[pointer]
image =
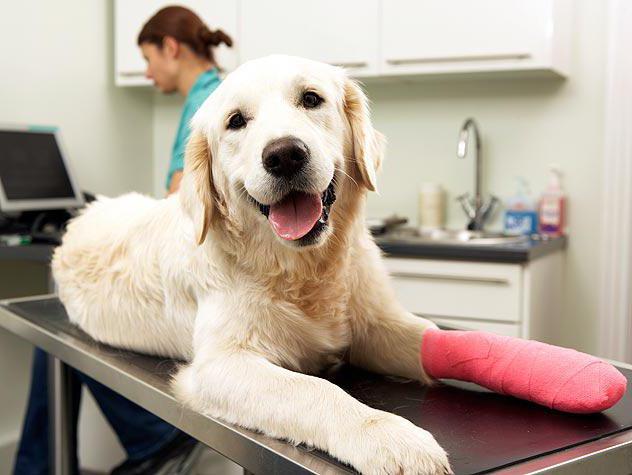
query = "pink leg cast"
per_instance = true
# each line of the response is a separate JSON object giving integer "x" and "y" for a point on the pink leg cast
{"x": 558, "y": 378}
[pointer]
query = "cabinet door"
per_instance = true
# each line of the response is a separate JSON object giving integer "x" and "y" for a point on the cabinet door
{"x": 500, "y": 328}
{"x": 130, "y": 16}
{"x": 461, "y": 35}
{"x": 342, "y": 33}
{"x": 461, "y": 290}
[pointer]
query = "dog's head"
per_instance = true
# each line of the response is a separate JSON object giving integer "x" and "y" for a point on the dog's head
{"x": 275, "y": 145}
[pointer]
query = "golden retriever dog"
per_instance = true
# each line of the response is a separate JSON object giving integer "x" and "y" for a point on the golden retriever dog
{"x": 260, "y": 271}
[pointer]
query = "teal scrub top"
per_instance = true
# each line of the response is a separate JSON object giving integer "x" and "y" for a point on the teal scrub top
{"x": 204, "y": 85}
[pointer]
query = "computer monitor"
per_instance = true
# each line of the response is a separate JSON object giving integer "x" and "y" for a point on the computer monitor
{"x": 34, "y": 171}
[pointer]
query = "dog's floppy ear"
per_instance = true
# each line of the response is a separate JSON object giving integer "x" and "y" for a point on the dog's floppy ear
{"x": 198, "y": 191}
{"x": 368, "y": 143}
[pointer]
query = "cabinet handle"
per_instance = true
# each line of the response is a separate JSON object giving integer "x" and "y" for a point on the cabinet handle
{"x": 452, "y": 278}
{"x": 351, "y": 64}
{"x": 459, "y": 59}
{"x": 131, "y": 74}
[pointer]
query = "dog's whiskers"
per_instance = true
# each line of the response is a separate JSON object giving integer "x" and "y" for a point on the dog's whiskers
{"x": 348, "y": 176}
{"x": 242, "y": 193}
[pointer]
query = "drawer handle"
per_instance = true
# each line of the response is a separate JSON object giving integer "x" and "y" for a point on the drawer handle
{"x": 459, "y": 59}
{"x": 452, "y": 278}
{"x": 351, "y": 64}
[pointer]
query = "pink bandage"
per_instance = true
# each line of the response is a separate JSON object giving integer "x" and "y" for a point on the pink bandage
{"x": 558, "y": 378}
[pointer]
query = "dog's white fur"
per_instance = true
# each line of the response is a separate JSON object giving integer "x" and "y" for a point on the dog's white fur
{"x": 201, "y": 276}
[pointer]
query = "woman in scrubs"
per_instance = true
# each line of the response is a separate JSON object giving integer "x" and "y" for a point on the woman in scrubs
{"x": 178, "y": 48}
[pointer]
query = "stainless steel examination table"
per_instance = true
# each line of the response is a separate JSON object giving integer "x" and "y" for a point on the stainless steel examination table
{"x": 483, "y": 432}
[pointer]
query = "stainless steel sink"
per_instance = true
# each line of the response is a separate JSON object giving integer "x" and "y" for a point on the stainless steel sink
{"x": 457, "y": 237}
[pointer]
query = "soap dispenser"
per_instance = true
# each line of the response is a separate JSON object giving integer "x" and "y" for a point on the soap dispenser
{"x": 553, "y": 205}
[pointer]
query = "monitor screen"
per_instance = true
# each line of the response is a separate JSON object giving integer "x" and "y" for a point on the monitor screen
{"x": 33, "y": 173}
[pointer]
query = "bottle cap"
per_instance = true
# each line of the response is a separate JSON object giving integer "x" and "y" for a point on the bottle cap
{"x": 555, "y": 177}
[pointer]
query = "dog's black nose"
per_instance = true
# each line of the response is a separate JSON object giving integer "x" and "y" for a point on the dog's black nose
{"x": 284, "y": 157}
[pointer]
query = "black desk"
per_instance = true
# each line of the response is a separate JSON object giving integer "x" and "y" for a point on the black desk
{"x": 482, "y": 431}
{"x": 40, "y": 253}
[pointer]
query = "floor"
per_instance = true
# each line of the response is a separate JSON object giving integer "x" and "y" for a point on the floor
{"x": 210, "y": 463}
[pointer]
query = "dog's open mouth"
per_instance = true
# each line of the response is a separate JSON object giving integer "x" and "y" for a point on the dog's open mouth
{"x": 298, "y": 213}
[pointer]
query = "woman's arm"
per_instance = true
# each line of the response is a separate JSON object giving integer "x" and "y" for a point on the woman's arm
{"x": 176, "y": 178}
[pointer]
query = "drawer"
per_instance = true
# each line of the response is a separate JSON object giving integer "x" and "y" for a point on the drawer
{"x": 505, "y": 329}
{"x": 458, "y": 289}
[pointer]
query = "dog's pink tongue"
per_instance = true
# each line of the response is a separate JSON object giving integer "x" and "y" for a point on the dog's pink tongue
{"x": 295, "y": 215}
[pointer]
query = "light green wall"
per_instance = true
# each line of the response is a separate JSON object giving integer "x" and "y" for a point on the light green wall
{"x": 166, "y": 117}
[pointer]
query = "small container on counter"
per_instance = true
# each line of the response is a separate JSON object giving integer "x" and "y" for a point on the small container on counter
{"x": 431, "y": 206}
{"x": 521, "y": 216}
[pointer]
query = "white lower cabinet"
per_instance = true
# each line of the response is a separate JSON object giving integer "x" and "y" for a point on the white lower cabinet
{"x": 506, "y": 329}
{"x": 521, "y": 300}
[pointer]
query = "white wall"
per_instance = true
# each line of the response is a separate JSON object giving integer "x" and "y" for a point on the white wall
{"x": 57, "y": 70}
{"x": 526, "y": 124}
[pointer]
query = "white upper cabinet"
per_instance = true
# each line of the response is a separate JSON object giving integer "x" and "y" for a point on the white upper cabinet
{"x": 344, "y": 33}
{"x": 456, "y": 36}
{"x": 131, "y": 15}
{"x": 373, "y": 38}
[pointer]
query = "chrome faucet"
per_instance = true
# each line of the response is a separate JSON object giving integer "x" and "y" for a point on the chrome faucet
{"x": 477, "y": 210}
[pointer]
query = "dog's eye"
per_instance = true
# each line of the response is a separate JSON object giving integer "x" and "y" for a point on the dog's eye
{"x": 311, "y": 100}
{"x": 236, "y": 121}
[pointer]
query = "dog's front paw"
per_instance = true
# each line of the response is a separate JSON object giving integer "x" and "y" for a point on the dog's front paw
{"x": 387, "y": 444}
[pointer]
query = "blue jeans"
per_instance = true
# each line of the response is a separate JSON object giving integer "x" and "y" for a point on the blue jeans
{"x": 141, "y": 433}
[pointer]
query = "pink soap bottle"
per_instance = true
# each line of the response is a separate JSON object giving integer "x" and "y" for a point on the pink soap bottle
{"x": 553, "y": 205}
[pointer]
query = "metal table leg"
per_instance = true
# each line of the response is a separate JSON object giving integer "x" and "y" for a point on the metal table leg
{"x": 60, "y": 426}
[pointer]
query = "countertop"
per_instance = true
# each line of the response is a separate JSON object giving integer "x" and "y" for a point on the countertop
{"x": 521, "y": 253}
{"x": 508, "y": 253}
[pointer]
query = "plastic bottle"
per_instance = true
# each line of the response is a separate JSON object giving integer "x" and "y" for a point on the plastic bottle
{"x": 431, "y": 206}
{"x": 553, "y": 205}
{"x": 521, "y": 216}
